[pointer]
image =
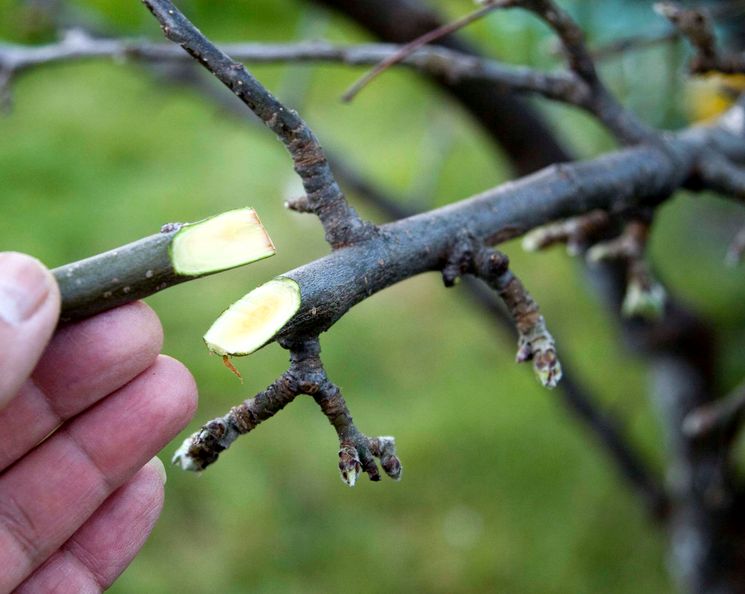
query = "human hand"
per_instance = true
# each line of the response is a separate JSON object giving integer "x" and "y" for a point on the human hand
{"x": 77, "y": 507}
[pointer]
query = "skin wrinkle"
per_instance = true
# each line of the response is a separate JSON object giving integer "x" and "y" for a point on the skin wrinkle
{"x": 131, "y": 354}
{"x": 21, "y": 527}
{"x": 102, "y": 548}
{"x": 91, "y": 557}
{"x": 163, "y": 395}
{"x": 126, "y": 353}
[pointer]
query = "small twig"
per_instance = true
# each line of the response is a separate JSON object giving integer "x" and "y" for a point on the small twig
{"x": 696, "y": 26}
{"x": 455, "y": 66}
{"x": 575, "y": 232}
{"x": 625, "y": 126}
{"x": 142, "y": 268}
{"x": 645, "y": 296}
{"x": 634, "y": 43}
{"x": 342, "y": 224}
{"x": 534, "y": 341}
{"x": 725, "y": 415}
{"x": 435, "y": 60}
{"x": 412, "y": 46}
{"x": 721, "y": 175}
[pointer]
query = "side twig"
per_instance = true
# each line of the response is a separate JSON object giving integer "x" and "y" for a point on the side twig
{"x": 724, "y": 416}
{"x": 342, "y": 224}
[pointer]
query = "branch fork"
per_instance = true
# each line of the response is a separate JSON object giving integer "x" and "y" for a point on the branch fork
{"x": 306, "y": 375}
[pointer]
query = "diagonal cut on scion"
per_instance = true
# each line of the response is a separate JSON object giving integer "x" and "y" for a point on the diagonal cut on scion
{"x": 255, "y": 319}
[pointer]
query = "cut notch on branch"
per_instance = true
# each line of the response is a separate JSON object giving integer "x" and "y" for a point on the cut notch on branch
{"x": 255, "y": 319}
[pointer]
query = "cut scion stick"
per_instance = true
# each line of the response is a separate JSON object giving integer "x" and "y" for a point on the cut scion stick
{"x": 180, "y": 252}
{"x": 224, "y": 241}
{"x": 252, "y": 321}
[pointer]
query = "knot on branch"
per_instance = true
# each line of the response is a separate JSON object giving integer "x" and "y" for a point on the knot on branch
{"x": 459, "y": 260}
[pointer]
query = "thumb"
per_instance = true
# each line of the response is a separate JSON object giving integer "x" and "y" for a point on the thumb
{"x": 29, "y": 310}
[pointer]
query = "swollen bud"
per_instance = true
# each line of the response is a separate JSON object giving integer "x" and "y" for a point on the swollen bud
{"x": 350, "y": 466}
{"x": 644, "y": 299}
{"x": 392, "y": 466}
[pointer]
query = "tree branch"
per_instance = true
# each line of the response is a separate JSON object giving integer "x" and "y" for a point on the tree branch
{"x": 306, "y": 375}
{"x": 179, "y": 253}
{"x": 586, "y": 84}
{"x": 616, "y": 182}
{"x": 437, "y": 61}
{"x": 341, "y": 223}
{"x": 576, "y": 399}
{"x": 696, "y": 26}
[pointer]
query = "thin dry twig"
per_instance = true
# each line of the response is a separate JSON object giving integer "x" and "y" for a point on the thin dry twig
{"x": 408, "y": 49}
{"x": 696, "y": 26}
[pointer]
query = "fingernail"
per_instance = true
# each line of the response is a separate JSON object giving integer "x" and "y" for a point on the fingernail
{"x": 157, "y": 465}
{"x": 24, "y": 287}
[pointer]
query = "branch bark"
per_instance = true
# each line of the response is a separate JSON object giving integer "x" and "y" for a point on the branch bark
{"x": 643, "y": 175}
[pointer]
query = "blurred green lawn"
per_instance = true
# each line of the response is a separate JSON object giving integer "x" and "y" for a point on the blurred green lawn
{"x": 502, "y": 491}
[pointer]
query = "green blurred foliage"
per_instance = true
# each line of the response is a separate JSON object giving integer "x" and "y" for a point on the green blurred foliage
{"x": 501, "y": 491}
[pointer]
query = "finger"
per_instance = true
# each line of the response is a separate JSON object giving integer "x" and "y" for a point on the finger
{"x": 50, "y": 493}
{"x": 103, "y": 547}
{"x": 29, "y": 309}
{"x": 83, "y": 363}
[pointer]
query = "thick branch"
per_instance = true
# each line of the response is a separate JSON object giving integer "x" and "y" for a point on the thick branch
{"x": 601, "y": 425}
{"x": 616, "y": 182}
{"x": 340, "y": 221}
